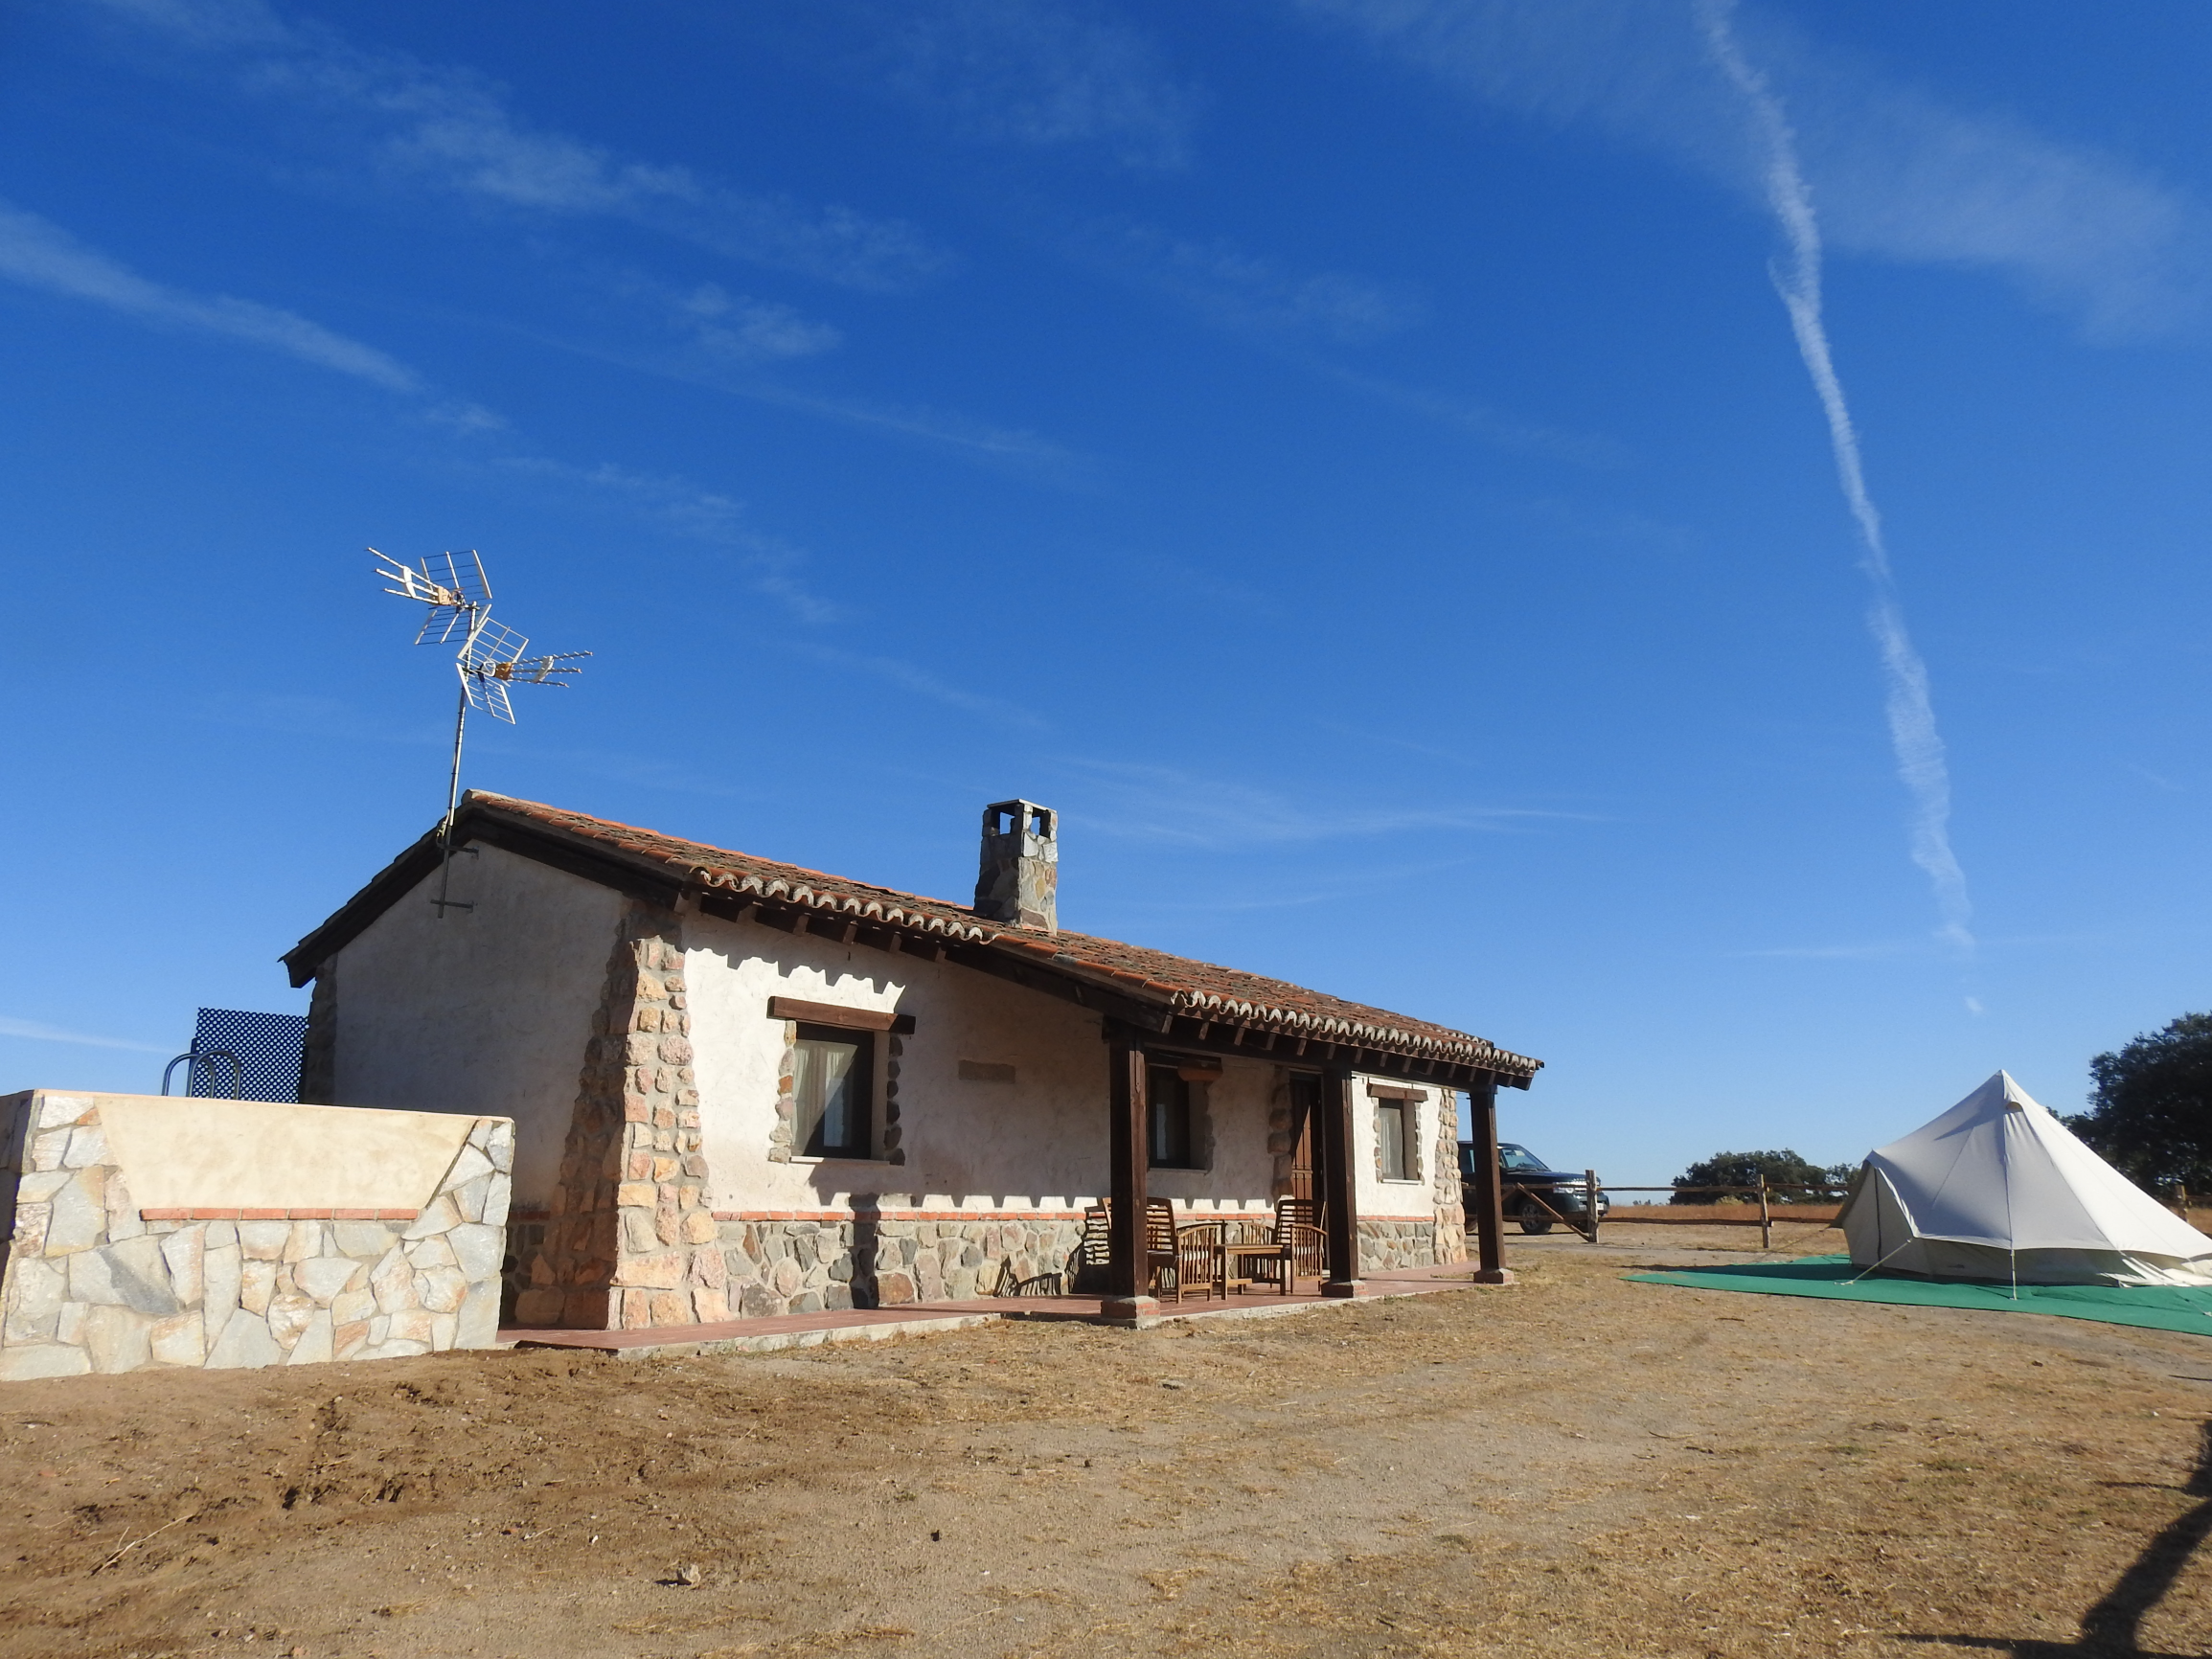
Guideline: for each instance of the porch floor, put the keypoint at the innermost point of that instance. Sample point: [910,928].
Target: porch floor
[927,1318]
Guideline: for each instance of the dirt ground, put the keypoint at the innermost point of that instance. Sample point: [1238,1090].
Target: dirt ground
[1573,1464]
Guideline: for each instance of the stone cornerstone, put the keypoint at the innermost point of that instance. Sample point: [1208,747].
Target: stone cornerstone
[631,1239]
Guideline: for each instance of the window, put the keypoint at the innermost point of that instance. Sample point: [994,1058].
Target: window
[1167,1119]
[1398,1136]
[834,1088]
[1512,1158]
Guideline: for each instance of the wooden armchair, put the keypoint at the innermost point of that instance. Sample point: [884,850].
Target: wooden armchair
[1179,1261]
[1184,1260]
[1198,1259]
[1300,1247]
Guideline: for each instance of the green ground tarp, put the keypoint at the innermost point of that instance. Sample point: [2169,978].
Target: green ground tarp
[2159,1307]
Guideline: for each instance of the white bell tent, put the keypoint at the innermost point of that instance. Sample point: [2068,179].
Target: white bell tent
[1997,1188]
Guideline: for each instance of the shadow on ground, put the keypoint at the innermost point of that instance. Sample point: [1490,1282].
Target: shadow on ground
[2111,1629]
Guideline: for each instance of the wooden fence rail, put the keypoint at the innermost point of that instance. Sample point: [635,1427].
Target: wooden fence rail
[1586,1224]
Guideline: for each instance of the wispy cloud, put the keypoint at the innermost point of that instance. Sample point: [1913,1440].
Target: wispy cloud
[1298,315]
[325,717]
[980,441]
[922,683]
[1012,449]
[1403,745]
[1062,74]
[1163,803]
[1223,897]
[1496,427]
[733,328]
[454,130]
[39,254]
[1890,949]
[1901,173]
[1876,952]
[770,565]
[32,1031]
[1237,289]
[1587,521]
[1921,762]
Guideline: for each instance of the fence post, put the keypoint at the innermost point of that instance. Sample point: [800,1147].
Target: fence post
[1765,1219]
[1590,1205]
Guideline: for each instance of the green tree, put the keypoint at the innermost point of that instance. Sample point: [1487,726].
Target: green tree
[2151,1115]
[1782,1169]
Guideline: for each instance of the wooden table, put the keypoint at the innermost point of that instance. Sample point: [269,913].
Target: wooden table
[1234,1255]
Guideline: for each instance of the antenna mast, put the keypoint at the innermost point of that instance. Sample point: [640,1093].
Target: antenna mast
[491,659]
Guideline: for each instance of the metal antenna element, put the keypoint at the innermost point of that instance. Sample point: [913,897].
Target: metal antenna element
[454,587]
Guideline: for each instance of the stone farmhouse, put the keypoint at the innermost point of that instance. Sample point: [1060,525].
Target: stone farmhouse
[744,1088]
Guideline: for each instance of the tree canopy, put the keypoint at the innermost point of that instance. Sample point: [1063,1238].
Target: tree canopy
[2150,1117]
[1782,1169]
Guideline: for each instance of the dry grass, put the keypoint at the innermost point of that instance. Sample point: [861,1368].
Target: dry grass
[1574,1466]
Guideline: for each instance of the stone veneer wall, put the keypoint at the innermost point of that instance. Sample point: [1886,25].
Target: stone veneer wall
[802,1266]
[630,1241]
[1387,1244]
[93,1283]
[774,1264]
[1451,1244]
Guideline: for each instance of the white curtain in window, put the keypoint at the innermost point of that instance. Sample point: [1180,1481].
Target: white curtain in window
[823,1084]
[1390,1131]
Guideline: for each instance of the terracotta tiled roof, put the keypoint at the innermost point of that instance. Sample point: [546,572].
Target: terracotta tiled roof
[1178,983]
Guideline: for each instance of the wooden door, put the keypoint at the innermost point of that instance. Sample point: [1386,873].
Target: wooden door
[1305,1143]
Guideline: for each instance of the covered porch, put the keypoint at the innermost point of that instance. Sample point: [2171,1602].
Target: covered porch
[1326,1072]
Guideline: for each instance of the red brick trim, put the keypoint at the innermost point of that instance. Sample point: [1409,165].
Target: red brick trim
[1006,1216]
[233,1214]
[909,1214]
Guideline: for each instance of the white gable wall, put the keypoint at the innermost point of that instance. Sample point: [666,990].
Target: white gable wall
[486,1012]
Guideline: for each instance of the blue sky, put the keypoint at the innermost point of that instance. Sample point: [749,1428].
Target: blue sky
[1357,459]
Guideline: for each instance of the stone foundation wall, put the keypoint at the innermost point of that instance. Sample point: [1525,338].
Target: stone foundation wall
[772,1268]
[94,1283]
[764,1266]
[1388,1245]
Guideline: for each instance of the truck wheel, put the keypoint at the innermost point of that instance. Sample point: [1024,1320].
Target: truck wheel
[1534,1216]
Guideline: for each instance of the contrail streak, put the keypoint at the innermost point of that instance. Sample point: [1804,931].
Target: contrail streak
[1912,731]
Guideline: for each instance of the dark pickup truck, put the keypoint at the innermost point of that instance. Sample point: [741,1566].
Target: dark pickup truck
[1530,1192]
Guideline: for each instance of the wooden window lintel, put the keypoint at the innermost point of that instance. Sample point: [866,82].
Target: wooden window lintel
[831,1014]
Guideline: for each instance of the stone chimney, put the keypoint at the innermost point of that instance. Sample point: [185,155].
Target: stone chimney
[1018,881]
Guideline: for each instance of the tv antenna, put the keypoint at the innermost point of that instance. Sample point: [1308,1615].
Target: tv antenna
[491,659]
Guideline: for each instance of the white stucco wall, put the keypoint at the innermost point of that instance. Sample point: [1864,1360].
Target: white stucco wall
[484,1011]
[1410,1199]
[1037,1143]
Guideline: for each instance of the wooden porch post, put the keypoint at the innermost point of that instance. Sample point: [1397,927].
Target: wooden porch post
[1128,1293]
[1489,1208]
[1341,1207]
